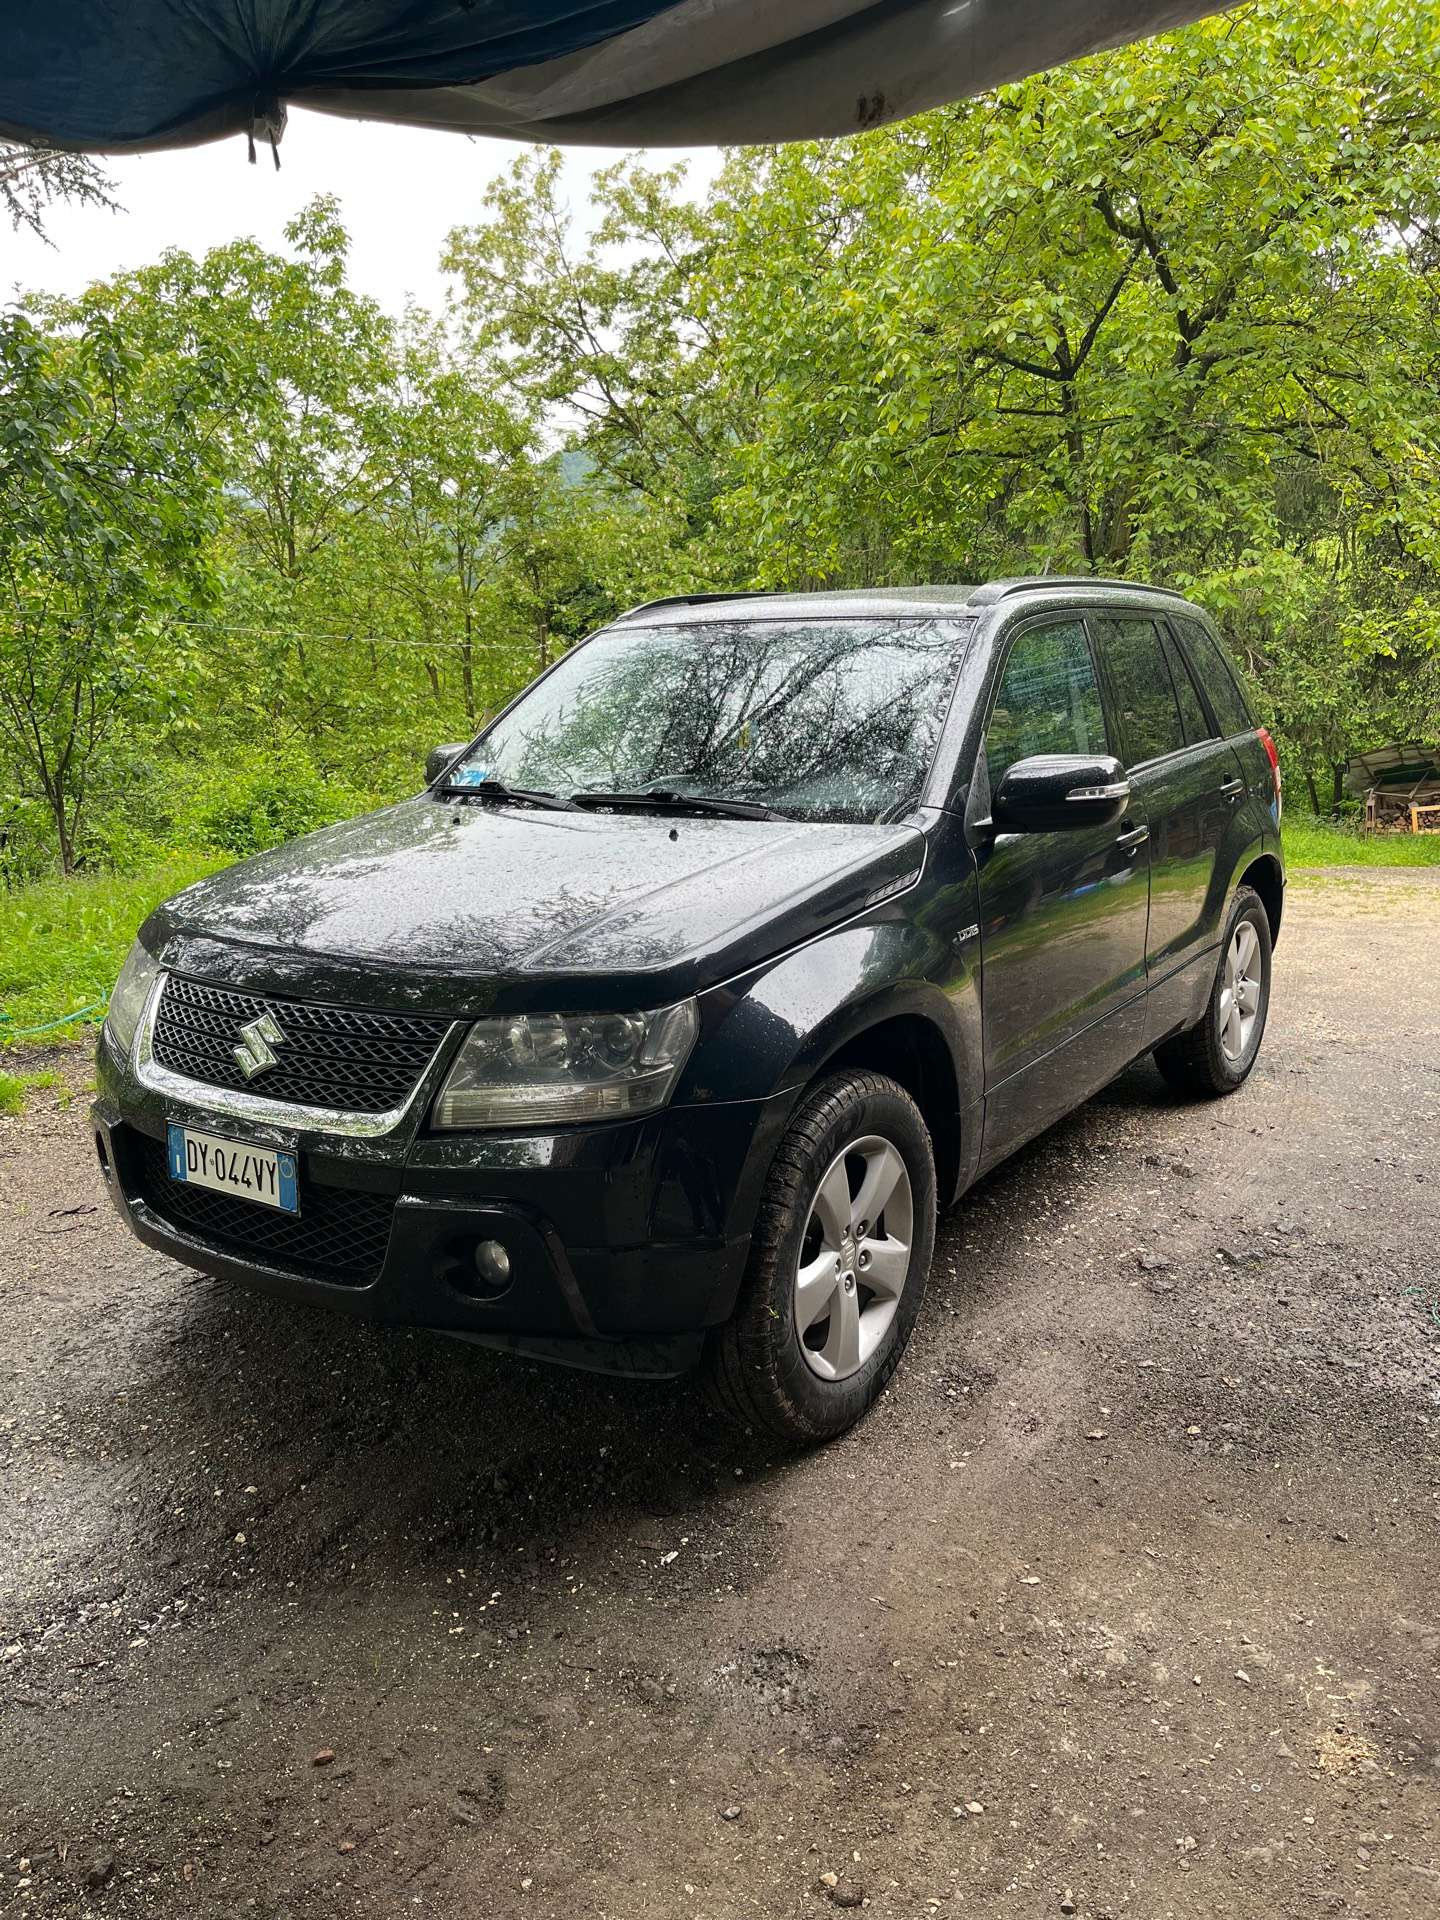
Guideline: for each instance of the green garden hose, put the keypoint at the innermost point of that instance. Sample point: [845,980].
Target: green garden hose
[7,1032]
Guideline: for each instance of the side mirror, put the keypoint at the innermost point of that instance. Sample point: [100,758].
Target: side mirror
[1052,791]
[440,759]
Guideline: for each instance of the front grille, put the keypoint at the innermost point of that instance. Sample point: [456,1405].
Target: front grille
[340,1234]
[339,1057]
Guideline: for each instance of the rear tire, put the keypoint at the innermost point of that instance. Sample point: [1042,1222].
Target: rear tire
[833,1288]
[1216,1056]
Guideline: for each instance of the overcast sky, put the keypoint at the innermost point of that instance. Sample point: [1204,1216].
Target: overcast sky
[401,189]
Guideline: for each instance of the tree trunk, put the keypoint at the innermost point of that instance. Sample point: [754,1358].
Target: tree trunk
[52,785]
[64,835]
[1310,786]
[1075,445]
[467,668]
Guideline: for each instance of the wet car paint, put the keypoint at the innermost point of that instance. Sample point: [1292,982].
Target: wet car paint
[467,905]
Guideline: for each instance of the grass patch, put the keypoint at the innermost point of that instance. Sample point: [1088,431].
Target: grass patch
[14,1086]
[62,942]
[1326,843]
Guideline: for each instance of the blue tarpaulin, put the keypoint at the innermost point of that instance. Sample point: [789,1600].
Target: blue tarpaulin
[116,75]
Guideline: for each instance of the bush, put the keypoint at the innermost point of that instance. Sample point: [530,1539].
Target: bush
[27,841]
[273,799]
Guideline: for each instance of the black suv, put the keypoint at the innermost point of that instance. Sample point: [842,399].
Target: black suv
[652,1033]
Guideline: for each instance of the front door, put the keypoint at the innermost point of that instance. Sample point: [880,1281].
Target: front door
[1062,915]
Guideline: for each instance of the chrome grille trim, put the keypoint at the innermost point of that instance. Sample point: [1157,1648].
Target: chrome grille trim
[288,1114]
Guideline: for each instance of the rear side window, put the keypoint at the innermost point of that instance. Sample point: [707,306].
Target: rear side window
[1048,700]
[1192,709]
[1144,694]
[1230,706]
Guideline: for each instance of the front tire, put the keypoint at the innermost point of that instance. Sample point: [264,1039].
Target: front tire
[1216,1055]
[838,1264]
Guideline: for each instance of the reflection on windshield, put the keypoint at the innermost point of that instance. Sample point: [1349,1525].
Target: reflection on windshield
[823,720]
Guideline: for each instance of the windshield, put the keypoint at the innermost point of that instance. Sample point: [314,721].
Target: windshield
[821,720]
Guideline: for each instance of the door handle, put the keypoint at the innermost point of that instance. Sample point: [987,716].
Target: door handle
[1136,837]
[1231,789]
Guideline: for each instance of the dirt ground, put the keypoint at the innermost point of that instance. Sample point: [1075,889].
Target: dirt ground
[1125,1600]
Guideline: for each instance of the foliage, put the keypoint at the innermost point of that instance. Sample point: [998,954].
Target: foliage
[1079,321]
[398,547]
[274,797]
[33,179]
[611,332]
[106,512]
[1170,312]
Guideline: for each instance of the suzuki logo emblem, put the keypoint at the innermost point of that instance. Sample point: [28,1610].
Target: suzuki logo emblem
[258,1039]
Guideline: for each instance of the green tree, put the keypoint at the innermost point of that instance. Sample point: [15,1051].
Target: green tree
[605,336]
[449,447]
[1079,320]
[1171,312]
[312,367]
[107,513]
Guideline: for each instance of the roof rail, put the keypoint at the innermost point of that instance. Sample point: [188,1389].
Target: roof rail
[693,600]
[994,590]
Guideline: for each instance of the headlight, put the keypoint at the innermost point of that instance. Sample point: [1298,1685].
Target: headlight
[127,1000]
[543,1069]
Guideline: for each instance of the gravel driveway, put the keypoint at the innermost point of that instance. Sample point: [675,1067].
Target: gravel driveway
[1125,1600]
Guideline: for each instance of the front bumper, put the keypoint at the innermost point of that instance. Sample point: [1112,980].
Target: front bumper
[626,1241]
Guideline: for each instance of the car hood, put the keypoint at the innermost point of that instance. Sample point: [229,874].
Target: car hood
[463,906]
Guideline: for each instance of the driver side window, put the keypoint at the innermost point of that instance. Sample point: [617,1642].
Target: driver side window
[1048,700]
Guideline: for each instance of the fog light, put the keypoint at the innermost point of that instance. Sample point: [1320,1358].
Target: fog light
[492,1264]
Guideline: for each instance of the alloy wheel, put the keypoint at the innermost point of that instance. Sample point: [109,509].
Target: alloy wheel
[854,1257]
[1240,993]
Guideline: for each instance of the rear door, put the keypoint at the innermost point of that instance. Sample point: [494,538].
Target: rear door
[1226,700]
[1186,783]
[1062,915]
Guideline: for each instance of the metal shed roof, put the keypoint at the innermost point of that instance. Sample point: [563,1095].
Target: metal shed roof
[1398,765]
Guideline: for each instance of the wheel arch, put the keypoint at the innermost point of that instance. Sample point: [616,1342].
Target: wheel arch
[1267,877]
[912,1050]
[866,996]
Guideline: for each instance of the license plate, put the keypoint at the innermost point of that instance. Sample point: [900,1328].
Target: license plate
[260,1174]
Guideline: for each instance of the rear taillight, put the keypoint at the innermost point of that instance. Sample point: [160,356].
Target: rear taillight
[1272,755]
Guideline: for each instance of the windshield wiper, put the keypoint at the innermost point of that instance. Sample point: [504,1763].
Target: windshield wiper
[668,800]
[497,790]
